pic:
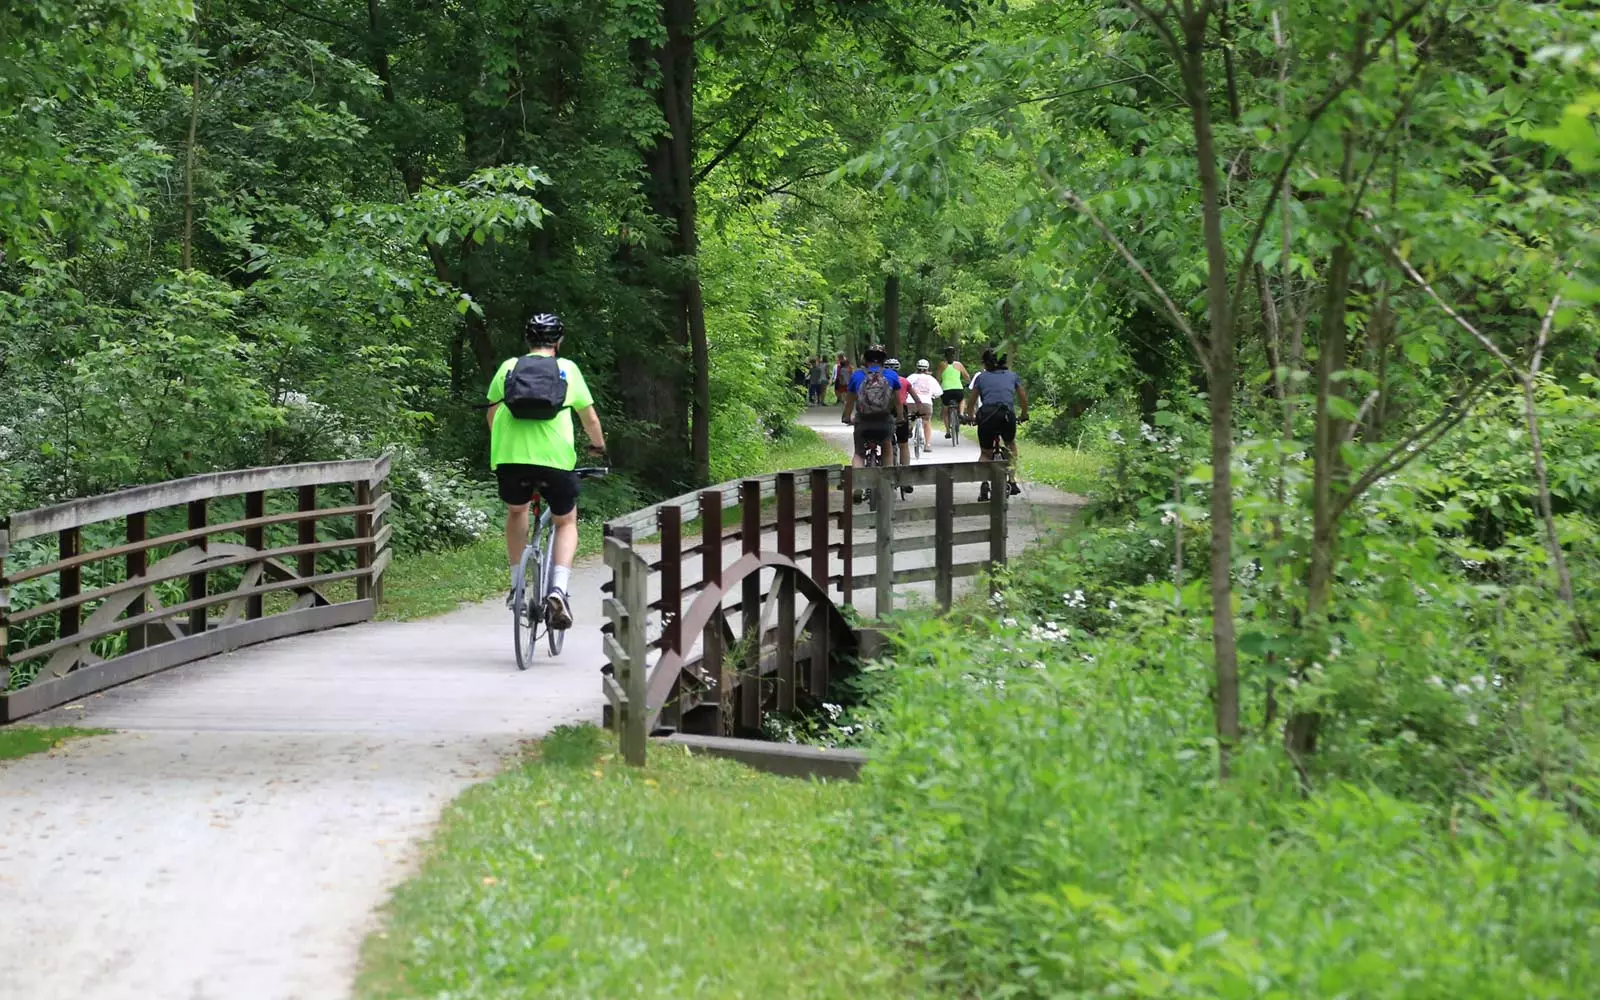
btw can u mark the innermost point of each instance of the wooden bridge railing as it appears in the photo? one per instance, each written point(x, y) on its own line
point(196, 567)
point(701, 674)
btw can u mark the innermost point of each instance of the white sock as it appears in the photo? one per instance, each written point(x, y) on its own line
point(559, 577)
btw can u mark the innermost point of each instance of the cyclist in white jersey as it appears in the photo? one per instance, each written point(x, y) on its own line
point(927, 389)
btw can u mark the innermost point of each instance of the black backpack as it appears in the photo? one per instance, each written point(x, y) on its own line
point(535, 388)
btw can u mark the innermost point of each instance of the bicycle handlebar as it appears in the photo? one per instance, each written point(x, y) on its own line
point(594, 472)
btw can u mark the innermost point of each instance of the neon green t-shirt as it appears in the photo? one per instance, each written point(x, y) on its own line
point(950, 376)
point(536, 442)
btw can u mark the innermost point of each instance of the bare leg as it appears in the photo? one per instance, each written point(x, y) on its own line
point(1011, 461)
point(516, 533)
point(566, 546)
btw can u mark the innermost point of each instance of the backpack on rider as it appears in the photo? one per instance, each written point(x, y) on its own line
point(876, 397)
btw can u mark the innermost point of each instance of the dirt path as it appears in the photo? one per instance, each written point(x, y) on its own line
point(234, 838)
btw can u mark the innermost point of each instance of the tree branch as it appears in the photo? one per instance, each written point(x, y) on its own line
point(1403, 453)
point(727, 150)
point(1155, 286)
point(330, 22)
point(1162, 28)
point(1368, 55)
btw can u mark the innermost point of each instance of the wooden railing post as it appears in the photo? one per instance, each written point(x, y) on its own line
point(5, 612)
point(883, 549)
point(785, 593)
point(135, 565)
point(635, 585)
point(711, 576)
point(999, 493)
point(364, 553)
point(306, 565)
point(847, 535)
point(669, 521)
point(197, 581)
point(817, 676)
point(750, 608)
point(255, 505)
point(943, 538)
point(70, 546)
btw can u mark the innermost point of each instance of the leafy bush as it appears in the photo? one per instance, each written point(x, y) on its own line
point(1045, 814)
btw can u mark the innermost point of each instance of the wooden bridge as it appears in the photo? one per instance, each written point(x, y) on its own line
point(119, 586)
point(697, 646)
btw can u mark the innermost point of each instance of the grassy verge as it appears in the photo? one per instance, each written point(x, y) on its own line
point(1061, 466)
point(423, 584)
point(20, 741)
point(574, 875)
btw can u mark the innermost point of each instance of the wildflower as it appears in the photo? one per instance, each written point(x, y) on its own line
point(1009, 622)
point(1038, 664)
point(1111, 605)
point(1478, 682)
point(1472, 718)
point(1170, 517)
point(1436, 681)
point(1462, 689)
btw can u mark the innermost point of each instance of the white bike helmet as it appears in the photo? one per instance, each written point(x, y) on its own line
point(893, 364)
point(922, 364)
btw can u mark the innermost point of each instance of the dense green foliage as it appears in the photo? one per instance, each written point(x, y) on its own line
point(20, 741)
point(575, 876)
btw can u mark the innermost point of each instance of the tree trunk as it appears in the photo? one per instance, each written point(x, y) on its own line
point(188, 171)
point(891, 315)
point(1220, 371)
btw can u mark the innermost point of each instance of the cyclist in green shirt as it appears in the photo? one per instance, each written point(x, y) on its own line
point(952, 376)
point(531, 456)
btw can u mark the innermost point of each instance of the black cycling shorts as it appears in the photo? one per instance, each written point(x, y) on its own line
point(902, 431)
point(953, 397)
point(518, 484)
point(870, 429)
point(996, 423)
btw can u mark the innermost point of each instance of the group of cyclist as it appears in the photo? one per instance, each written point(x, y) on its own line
point(532, 448)
point(882, 403)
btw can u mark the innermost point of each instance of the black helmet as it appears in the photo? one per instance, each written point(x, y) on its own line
point(993, 360)
point(543, 330)
point(876, 355)
point(950, 354)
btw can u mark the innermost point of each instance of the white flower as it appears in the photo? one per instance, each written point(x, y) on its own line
point(1111, 605)
point(1436, 681)
point(1038, 664)
point(1009, 622)
point(1170, 517)
point(1462, 689)
point(1155, 543)
point(1472, 718)
point(1479, 682)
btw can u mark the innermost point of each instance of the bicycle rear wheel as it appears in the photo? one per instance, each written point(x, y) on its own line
point(526, 611)
point(554, 638)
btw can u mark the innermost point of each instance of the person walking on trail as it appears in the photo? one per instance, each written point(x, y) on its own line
point(872, 404)
point(531, 449)
point(910, 404)
point(999, 402)
point(841, 382)
point(819, 378)
point(928, 390)
point(952, 376)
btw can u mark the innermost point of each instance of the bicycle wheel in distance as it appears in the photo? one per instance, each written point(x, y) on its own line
point(554, 638)
point(525, 609)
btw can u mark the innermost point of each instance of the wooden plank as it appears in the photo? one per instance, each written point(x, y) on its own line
point(883, 562)
point(380, 468)
point(381, 507)
point(670, 525)
point(944, 541)
point(70, 582)
point(134, 568)
point(87, 680)
point(150, 617)
point(793, 760)
point(785, 594)
point(921, 574)
point(76, 513)
point(613, 609)
point(148, 579)
point(5, 613)
point(180, 537)
point(922, 541)
point(928, 475)
point(614, 550)
point(816, 676)
point(614, 694)
point(908, 515)
point(255, 507)
point(197, 580)
point(616, 653)
point(378, 566)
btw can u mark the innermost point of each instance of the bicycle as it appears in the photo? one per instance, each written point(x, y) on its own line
point(538, 556)
point(1002, 454)
point(872, 458)
point(953, 422)
point(918, 443)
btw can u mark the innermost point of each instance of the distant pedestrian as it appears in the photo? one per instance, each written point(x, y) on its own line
point(819, 381)
point(842, 370)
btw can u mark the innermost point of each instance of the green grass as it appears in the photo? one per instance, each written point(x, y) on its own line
point(1061, 466)
point(801, 448)
point(20, 741)
point(574, 875)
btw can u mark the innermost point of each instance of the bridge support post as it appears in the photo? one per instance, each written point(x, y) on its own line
point(635, 585)
point(669, 520)
point(943, 537)
point(817, 676)
point(999, 495)
point(750, 609)
point(711, 575)
point(197, 581)
point(785, 593)
point(886, 488)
